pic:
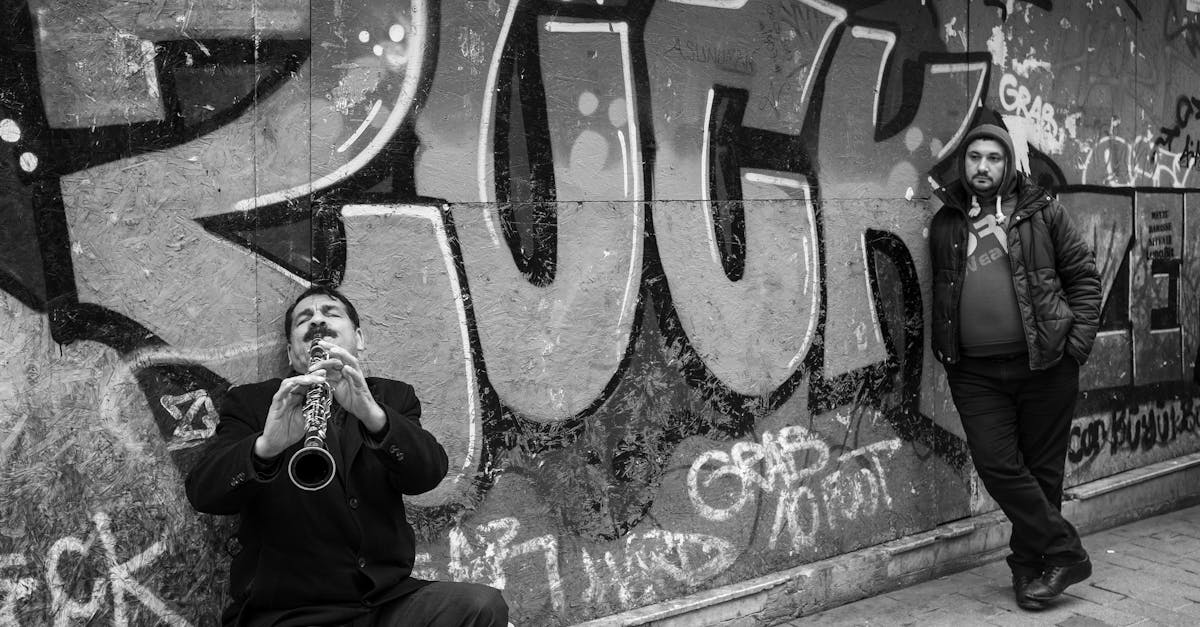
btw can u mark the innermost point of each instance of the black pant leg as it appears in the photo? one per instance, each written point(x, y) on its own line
point(988, 396)
point(1046, 406)
point(447, 604)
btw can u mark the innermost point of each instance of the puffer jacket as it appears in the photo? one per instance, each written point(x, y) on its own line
point(1053, 271)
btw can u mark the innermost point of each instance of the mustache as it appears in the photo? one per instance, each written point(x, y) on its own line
point(319, 330)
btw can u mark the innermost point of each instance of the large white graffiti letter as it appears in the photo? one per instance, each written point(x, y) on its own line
point(742, 257)
point(553, 342)
point(701, 476)
point(120, 576)
point(417, 323)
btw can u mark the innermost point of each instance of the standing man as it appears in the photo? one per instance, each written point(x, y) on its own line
point(343, 554)
point(1016, 306)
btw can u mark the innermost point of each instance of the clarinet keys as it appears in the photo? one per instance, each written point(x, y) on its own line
point(312, 467)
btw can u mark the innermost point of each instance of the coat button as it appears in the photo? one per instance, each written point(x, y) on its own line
point(362, 563)
point(353, 502)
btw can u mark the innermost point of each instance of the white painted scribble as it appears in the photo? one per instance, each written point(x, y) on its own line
point(1118, 162)
point(199, 405)
point(643, 559)
point(483, 557)
point(854, 486)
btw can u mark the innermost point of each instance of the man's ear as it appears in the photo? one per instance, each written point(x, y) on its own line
point(291, 353)
point(359, 343)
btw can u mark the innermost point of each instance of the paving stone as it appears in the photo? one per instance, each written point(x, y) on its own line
point(1159, 554)
point(1083, 621)
point(1153, 612)
point(1062, 608)
point(1104, 572)
point(1106, 614)
point(1122, 557)
point(1021, 618)
point(1190, 527)
point(1190, 610)
point(855, 613)
point(1193, 566)
point(1012, 619)
point(1088, 591)
point(839, 615)
point(856, 618)
point(1119, 557)
point(920, 601)
point(1153, 590)
point(942, 617)
point(1170, 541)
point(1006, 612)
point(1174, 569)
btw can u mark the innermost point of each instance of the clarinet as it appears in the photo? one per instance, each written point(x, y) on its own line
point(311, 468)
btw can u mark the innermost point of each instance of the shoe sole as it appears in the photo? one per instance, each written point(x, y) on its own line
point(1031, 605)
point(1070, 582)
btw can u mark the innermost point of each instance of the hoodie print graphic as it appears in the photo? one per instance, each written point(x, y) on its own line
point(987, 228)
point(991, 320)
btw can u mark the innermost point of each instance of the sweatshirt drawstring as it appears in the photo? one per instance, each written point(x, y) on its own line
point(976, 209)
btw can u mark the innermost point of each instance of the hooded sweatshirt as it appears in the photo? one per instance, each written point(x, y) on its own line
point(990, 322)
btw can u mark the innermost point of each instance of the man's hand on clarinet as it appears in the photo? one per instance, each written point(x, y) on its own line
point(350, 386)
point(285, 418)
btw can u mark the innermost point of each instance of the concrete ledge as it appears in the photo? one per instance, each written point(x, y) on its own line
point(1133, 477)
point(948, 548)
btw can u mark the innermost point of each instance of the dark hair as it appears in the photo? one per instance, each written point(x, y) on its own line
point(323, 290)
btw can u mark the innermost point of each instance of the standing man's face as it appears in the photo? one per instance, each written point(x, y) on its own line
point(320, 316)
point(984, 164)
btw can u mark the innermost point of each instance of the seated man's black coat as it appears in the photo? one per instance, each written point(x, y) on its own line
point(326, 556)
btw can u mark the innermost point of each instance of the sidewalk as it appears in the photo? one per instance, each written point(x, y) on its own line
point(1145, 573)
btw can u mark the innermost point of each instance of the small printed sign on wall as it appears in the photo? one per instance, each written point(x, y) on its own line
point(1193, 5)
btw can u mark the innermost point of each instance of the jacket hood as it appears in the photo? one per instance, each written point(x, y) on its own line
point(1030, 196)
point(989, 131)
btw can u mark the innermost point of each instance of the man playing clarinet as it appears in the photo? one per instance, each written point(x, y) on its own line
point(341, 552)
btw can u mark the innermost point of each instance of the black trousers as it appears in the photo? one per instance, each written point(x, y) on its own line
point(442, 604)
point(1018, 425)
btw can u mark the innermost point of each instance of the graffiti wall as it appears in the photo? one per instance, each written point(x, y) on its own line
point(657, 270)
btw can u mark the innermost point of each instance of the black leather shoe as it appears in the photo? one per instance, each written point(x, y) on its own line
point(1020, 584)
point(1056, 579)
